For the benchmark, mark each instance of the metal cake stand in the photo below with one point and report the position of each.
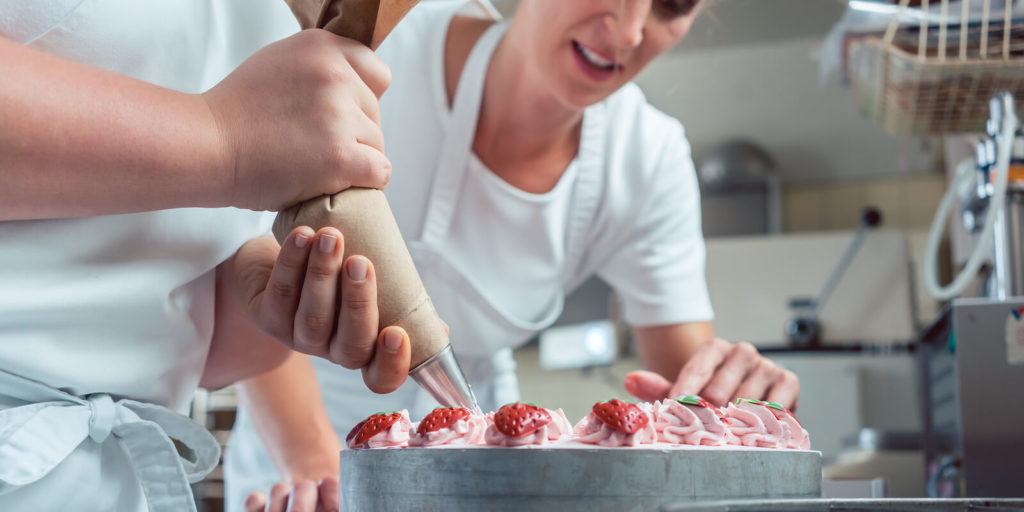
(570, 479)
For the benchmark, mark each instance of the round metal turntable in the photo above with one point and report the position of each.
(570, 478)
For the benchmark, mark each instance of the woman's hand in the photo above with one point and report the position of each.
(300, 119)
(720, 372)
(302, 496)
(306, 297)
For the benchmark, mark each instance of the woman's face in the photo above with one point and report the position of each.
(587, 49)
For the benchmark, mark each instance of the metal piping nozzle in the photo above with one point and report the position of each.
(442, 377)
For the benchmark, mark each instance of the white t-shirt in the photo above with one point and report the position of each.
(644, 237)
(120, 305)
(627, 209)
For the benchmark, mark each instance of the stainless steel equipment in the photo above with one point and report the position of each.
(740, 190)
(570, 479)
(974, 400)
(1007, 280)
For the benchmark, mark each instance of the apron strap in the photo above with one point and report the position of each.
(459, 142)
(37, 436)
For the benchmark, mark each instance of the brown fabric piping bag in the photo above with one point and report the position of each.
(363, 215)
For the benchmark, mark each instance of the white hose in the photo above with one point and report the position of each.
(995, 209)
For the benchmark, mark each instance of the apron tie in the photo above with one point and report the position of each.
(101, 419)
(37, 436)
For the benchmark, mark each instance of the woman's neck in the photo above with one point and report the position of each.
(524, 134)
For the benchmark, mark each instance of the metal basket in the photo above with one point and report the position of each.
(919, 88)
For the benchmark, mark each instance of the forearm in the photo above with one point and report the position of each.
(80, 141)
(664, 349)
(288, 414)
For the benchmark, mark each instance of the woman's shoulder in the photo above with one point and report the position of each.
(642, 138)
(630, 115)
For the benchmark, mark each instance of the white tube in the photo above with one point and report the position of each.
(995, 209)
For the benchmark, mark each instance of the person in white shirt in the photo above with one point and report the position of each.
(524, 162)
(134, 139)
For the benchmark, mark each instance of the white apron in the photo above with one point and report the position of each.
(42, 429)
(483, 332)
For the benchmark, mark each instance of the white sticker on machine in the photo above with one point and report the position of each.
(1015, 336)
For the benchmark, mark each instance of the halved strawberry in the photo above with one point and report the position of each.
(441, 417)
(520, 419)
(372, 426)
(621, 416)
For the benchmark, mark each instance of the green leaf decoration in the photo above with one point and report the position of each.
(689, 400)
(385, 413)
(749, 401)
(774, 405)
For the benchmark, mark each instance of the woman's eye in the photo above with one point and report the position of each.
(676, 7)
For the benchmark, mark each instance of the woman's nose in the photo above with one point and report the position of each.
(627, 22)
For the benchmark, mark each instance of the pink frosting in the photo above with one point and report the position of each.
(754, 427)
(467, 431)
(796, 435)
(558, 427)
(592, 430)
(396, 436)
(695, 425)
(758, 425)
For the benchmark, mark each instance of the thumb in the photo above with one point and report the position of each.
(647, 386)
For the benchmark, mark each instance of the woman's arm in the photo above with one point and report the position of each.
(77, 140)
(289, 416)
(296, 120)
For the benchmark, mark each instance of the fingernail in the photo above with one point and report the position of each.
(328, 243)
(393, 340)
(357, 269)
(301, 240)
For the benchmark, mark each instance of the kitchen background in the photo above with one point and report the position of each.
(748, 85)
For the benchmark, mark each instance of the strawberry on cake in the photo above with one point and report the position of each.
(616, 423)
(449, 426)
(522, 424)
(765, 425)
(691, 420)
(382, 430)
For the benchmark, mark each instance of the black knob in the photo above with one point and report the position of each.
(872, 217)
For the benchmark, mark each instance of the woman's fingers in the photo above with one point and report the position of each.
(280, 297)
(315, 314)
(390, 364)
(256, 502)
(786, 390)
(737, 365)
(700, 368)
(647, 386)
(278, 501)
(304, 497)
(356, 335)
(330, 494)
(764, 374)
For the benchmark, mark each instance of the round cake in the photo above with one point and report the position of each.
(622, 456)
